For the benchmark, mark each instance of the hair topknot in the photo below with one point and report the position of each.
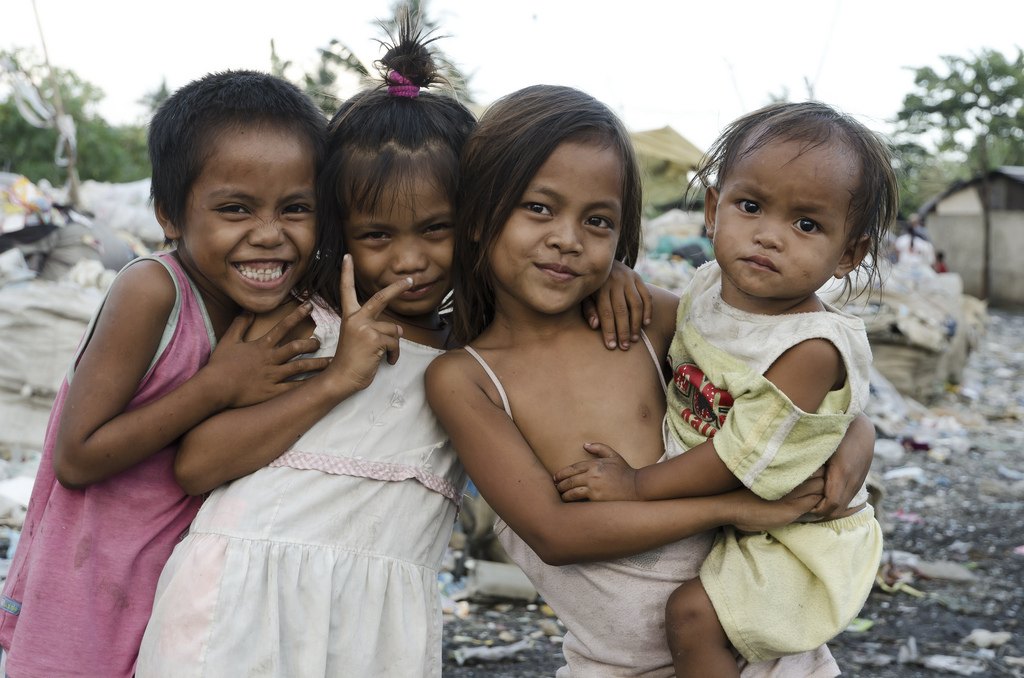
(410, 53)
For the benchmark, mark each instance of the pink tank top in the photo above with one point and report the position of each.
(81, 586)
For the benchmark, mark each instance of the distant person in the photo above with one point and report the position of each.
(940, 262)
(550, 199)
(913, 247)
(234, 158)
(766, 378)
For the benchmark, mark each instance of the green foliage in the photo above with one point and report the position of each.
(105, 153)
(971, 111)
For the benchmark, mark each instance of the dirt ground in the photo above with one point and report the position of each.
(953, 512)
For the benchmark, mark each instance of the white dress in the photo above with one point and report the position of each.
(325, 562)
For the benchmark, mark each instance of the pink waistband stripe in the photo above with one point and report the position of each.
(361, 468)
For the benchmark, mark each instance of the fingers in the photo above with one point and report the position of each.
(391, 347)
(606, 314)
(621, 320)
(297, 347)
(379, 301)
(576, 494)
(284, 326)
(570, 471)
(349, 301)
(590, 313)
(569, 483)
(648, 303)
(600, 450)
(294, 368)
(638, 301)
(239, 326)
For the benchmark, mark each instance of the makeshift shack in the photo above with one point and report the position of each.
(956, 225)
(666, 159)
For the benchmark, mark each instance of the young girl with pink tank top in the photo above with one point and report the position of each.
(550, 199)
(234, 157)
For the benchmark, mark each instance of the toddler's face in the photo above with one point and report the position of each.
(409, 237)
(779, 223)
(249, 226)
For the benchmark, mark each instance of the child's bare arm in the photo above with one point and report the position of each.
(97, 437)
(237, 442)
(621, 308)
(519, 488)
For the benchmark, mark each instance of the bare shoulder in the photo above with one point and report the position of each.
(143, 290)
(451, 370)
(456, 377)
(663, 319)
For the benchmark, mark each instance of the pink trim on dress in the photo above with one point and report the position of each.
(361, 468)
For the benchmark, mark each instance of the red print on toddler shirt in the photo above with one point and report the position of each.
(705, 406)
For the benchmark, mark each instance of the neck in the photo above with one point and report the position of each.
(430, 330)
(526, 328)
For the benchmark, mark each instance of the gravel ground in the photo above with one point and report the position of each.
(953, 511)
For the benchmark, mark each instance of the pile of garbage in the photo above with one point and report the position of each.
(55, 264)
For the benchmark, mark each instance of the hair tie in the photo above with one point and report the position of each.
(401, 86)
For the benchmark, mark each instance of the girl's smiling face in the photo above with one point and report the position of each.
(558, 245)
(411, 237)
(249, 224)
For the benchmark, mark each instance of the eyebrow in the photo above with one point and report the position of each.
(238, 194)
(431, 218)
(611, 204)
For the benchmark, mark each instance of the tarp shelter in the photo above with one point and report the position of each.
(666, 157)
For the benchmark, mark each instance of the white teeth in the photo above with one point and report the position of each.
(260, 274)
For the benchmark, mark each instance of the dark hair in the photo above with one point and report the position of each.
(515, 137)
(875, 203)
(185, 127)
(379, 142)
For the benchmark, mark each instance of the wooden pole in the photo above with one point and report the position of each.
(58, 102)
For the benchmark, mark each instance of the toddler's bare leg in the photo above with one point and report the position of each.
(696, 639)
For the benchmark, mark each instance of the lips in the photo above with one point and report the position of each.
(262, 271)
(762, 262)
(558, 271)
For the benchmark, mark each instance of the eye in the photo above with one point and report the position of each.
(600, 222)
(439, 230)
(748, 206)
(807, 225)
(233, 208)
(537, 208)
(373, 236)
(298, 208)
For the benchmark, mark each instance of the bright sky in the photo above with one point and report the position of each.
(695, 66)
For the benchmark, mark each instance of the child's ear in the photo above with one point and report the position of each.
(852, 256)
(710, 211)
(171, 230)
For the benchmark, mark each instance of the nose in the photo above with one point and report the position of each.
(266, 233)
(564, 235)
(408, 256)
(769, 234)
